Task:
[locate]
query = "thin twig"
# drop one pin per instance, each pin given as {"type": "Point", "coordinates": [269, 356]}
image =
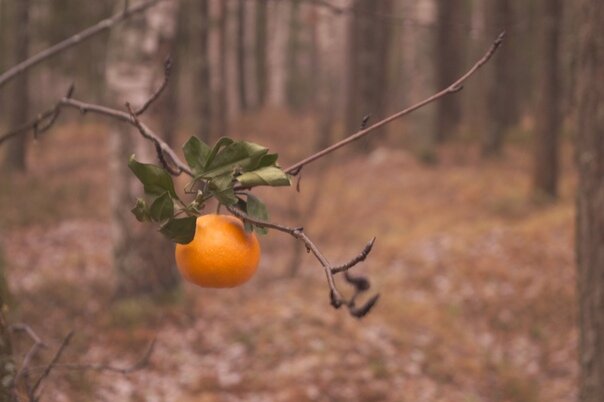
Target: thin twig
{"type": "Point", "coordinates": [74, 40]}
{"type": "Point", "coordinates": [138, 365]}
{"type": "Point", "coordinates": [454, 87]}
{"type": "Point", "coordinates": [37, 345]}
{"type": "Point", "coordinates": [335, 297]}
{"type": "Point", "coordinates": [164, 84]}
{"type": "Point", "coordinates": [52, 363]}
{"type": "Point", "coordinates": [359, 258]}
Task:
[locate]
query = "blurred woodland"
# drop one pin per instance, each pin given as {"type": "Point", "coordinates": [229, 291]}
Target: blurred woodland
{"type": "Point", "coordinates": [471, 198]}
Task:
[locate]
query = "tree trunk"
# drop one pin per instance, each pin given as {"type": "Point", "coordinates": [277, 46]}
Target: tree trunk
{"type": "Point", "coordinates": [221, 93]}
{"type": "Point", "coordinates": [15, 153]}
{"type": "Point", "coordinates": [170, 101]}
{"type": "Point", "coordinates": [545, 177]}
{"type": "Point", "coordinates": [204, 89]}
{"type": "Point", "coordinates": [590, 200]}
{"type": "Point", "coordinates": [450, 45]}
{"type": "Point", "coordinates": [293, 83]}
{"type": "Point", "coordinates": [501, 91]}
{"type": "Point", "coordinates": [261, 51]}
{"type": "Point", "coordinates": [143, 259]}
{"type": "Point", "coordinates": [241, 67]}
{"type": "Point", "coordinates": [7, 364]}
{"type": "Point", "coordinates": [368, 59]}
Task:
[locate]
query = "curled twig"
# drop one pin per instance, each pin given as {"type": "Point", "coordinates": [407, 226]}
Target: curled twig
{"type": "Point", "coordinates": [336, 298]}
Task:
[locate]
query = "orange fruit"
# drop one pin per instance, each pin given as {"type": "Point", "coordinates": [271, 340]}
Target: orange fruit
{"type": "Point", "coordinates": [221, 255]}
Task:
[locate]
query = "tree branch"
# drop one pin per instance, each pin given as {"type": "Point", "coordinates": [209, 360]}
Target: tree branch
{"type": "Point", "coordinates": [74, 40]}
{"type": "Point", "coordinates": [138, 365]}
{"type": "Point", "coordinates": [50, 366]}
{"type": "Point", "coordinates": [336, 298]}
{"type": "Point", "coordinates": [360, 284]}
{"type": "Point", "coordinates": [454, 87]}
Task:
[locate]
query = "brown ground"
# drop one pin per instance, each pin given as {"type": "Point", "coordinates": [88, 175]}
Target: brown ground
{"type": "Point", "coordinates": [476, 277]}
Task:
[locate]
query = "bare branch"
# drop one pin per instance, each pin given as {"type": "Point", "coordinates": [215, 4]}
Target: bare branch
{"type": "Point", "coordinates": [138, 365]}
{"type": "Point", "coordinates": [454, 87]}
{"type": "Point", "coordinates": [359, 258]}
{"type": "Point", "coordinates": [164, 84]}
{"type": "Point", "coordinates": [335, 298]}
{"type": "Point", "coordinates": [74, 40]}
{"type": "Point", "coordinates": [360, 284]}
{"type": "Point", "coordinates": [37, 345]}
{"type": "Point", "coordinates": [51, 365]}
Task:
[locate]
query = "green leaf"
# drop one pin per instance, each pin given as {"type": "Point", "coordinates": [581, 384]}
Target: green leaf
{"type": "Point", "coordinates": [196, 153]}
{"type": "Point", "coordinates": [266, 176]}
{"type": "Point", "coordinates": [140, 211]}
{"type": "Point", "coordinates": [222, 142]}
{"type": "Point", "coordinates": [222, 188]}
{"type": "Point", "coordinates": [156, 180]}
{"type": "Point", "coordinates": [238, 156]}
{"type": "Point", "coordinates": [180, 230]}
{"type": "Point", "coordinates": [268, 160]}
{"type": "Point", "coordinates": [162, 208]}
{"type": "Point", "coordinates": [257, 210]}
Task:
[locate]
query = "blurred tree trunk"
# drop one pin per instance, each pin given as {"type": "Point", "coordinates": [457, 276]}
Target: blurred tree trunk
{"type": "Point", "coordinates": [502, 110]}
{"type": "Point", "coordinates": [204, 89]}
{"type": "Point", "coordinates": [170, 102]}
{"type": "Point", "coordinates": [221, 94]}
{"type": "Point", "coordinates": [545, 175]}
{"type": "Point", "coordinates": [449, 57]}
{"type": "Point", "coordinates": [142, 258]}
{"type": "Point", "coordinates": [369, 39]}
{"type": "Point", "coordinates": [14, 159]}
{"type": "Point", "coordinates": [7, 364]}
{"type": "Point", "coordinates": [241, 70]}
{"type": "Point", "coordinates": [261, 51]}
{"type": "Point", "coordinates": [590, 200]}
{"type": "Point", "coordinates": [293, 83]}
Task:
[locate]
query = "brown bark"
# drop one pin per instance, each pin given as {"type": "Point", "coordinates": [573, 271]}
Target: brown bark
{"type": "Point", "coordinates": [18, 104]}
{"type": "Point", "coordinates": [142, 258]}
{"type": "Point", "coordinates": [449, 58]}
{"type": "Point", "coordinates": [502, 110]}
{"type": "Point", "coordinates": [590, 200]}
{"type": "Point", "coordinates": [368, 58]}
{"type": "Point", "coordinates": [7, 364]}
{"type": "Point", "coordinates": [261, 51]}
{"type": "Point", "coordinates": [545, 177]}
{"type": "Point", "coordinates": [170, 101]}
{"type": "Point", "coordinates": [241, 56]}
{"type": "Point", "coordinates": [293, 84]}
{"type": "Point", "coordinates": [204, 89]}
{"type": "Point", "coordinates": [221, 90]}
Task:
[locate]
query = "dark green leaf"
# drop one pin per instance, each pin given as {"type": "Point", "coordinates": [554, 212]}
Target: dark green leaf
{"type": "Point", "coordinates": [196, 153]}
{"type": "Point", "coordinates": [242, 156]}
{"type": "Point", "coordinates": [222, 142]}
{"type": "Point", "coordinates": [156, 180]}
{"type": "Point", "coordinates": [162, 208]}
{"type": "Point", "coordinates": [267, 160]}
{"type": "Point", "coordinates": [266, 176]}
{"type": "Point", "coordinates": [180, 230]}
{"type": "Point", "coordinates": [141, 211]}
{"type": "Point", "coordinates": [222, 188]}
{"type": "Point", "coordinates": [257, 210]}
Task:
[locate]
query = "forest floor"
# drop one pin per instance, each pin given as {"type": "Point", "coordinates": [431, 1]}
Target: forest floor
{"type": "Point", "coordinates": [476, 279]}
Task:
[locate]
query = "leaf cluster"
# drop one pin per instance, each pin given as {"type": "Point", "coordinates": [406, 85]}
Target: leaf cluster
{"type": "Point", "coordinates": [226, 171]}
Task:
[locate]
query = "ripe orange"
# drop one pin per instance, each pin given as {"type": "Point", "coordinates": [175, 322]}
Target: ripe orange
{"type": "Point", "coordinates": [221, 255]}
